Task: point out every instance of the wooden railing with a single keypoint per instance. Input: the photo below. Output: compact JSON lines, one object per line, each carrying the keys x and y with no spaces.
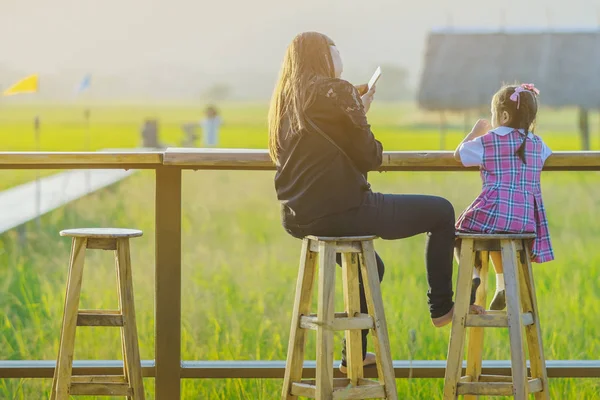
{"x":168,"y":368}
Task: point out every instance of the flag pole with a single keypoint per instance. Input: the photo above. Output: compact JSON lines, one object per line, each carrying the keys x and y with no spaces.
{"x":88,"y":138}
{"x":38,"y":188}
{"x":30,"y":84}
{"x":84,"y":85}
{"x":88,"y":145}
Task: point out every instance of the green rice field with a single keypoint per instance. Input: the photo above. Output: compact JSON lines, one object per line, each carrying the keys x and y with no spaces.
{"x":239,"y":266}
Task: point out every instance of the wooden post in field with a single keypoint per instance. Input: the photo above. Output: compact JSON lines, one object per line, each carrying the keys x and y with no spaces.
{"x":167,"y":309}
{"x":443,"y":130}
{"x":584,"y":128}
{"x":22,"y":235}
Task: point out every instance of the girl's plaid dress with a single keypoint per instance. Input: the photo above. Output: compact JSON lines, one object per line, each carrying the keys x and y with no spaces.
{"x":511,"y":198}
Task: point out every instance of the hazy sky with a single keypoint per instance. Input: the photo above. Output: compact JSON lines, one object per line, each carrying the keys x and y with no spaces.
{"x":238,"y":37}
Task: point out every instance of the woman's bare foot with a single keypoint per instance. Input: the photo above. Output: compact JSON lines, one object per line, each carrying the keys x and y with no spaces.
{"x":370,"y":359}
{"x":447,"y":318}
{"x":444,"y":319}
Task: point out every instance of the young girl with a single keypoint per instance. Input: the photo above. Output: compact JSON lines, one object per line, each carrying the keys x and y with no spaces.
{"x":511,"y":158}
{"x":210,"y":127}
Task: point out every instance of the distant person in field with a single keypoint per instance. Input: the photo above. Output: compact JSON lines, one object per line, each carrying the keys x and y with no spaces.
{"x":511,"y":158}
{"x":323,"y":147}
{"x":210,"y":127}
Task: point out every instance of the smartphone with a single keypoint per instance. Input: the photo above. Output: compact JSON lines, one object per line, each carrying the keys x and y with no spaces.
{"x":374,"y":78}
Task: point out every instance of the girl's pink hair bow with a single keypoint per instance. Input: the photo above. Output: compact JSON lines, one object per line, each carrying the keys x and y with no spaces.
{"x":525,"y":87}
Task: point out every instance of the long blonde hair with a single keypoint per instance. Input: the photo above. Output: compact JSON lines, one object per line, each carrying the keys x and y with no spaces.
{"x":306,"y":59}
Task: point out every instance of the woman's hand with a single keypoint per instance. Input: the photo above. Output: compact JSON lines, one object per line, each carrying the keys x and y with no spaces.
{"x":480,"y":128}
{"x":362,"y":89}
{"x":367,"y":98}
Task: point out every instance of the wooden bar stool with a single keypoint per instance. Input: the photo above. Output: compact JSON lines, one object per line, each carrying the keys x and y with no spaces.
{"x":130,"y":384}
{"x":521,"y":311}
{"x":326,"y":321}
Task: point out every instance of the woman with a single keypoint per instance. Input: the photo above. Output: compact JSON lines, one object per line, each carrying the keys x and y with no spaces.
{"x":323,"y":147}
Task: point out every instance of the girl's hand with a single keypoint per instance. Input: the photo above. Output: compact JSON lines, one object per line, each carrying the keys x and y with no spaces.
{"x":481,"y":127}
{"x":367,"y":98}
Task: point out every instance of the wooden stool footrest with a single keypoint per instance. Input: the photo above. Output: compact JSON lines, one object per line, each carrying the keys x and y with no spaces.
{"x":495,"y":388}
{"x":342,"y":389}
{"x":341,"y":322}
{"x":99,"y":318}
{"x":495,"y":378}
{"x":98,"y":379}
{"x":495,"y":319}
{"x":101,"y":389}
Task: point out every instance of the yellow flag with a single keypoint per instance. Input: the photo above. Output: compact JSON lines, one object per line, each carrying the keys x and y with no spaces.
{"x":25,"y":85}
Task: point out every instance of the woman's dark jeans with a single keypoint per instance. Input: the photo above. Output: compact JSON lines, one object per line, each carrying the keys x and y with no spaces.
{"x":396,"y":216}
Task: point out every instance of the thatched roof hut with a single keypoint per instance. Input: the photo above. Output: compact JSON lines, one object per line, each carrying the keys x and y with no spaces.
{"x":463,"y":69}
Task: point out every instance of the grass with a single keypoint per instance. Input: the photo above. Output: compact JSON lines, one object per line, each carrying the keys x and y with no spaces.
{"x":63,"y":128}
{"x":239,"y":266}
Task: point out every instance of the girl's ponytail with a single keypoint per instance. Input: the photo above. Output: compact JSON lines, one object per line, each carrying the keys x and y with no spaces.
{"x":521,"y":150}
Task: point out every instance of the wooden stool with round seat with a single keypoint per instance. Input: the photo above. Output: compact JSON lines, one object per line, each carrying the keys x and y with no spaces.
{"x":326,"y":321}
{"x":129,"y":384}
{"x":521,"y":315}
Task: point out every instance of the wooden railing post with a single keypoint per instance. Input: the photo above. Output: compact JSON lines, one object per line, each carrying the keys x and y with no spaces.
{"x":168,"y":283}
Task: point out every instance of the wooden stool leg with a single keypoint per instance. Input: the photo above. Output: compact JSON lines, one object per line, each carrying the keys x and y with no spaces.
{"x":304,"y":287}
{"x":60,"y":341}
{"x":123,"y":347}
{"x":381,"y":339}
{"x":461,"y":309}
{"x":126,"y":373}
{"x":325,"y":315}
{"x":64,"y":364}
{"x":515,"y":328}
{"x":533,"y":332}
{"x":129,"y":335}
{"x":475,"y":347}
{"x":354,"y":357}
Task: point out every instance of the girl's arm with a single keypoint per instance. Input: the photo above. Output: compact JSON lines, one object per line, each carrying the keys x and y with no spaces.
{"x":546,"y":152}
{"x":480,"y":128}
